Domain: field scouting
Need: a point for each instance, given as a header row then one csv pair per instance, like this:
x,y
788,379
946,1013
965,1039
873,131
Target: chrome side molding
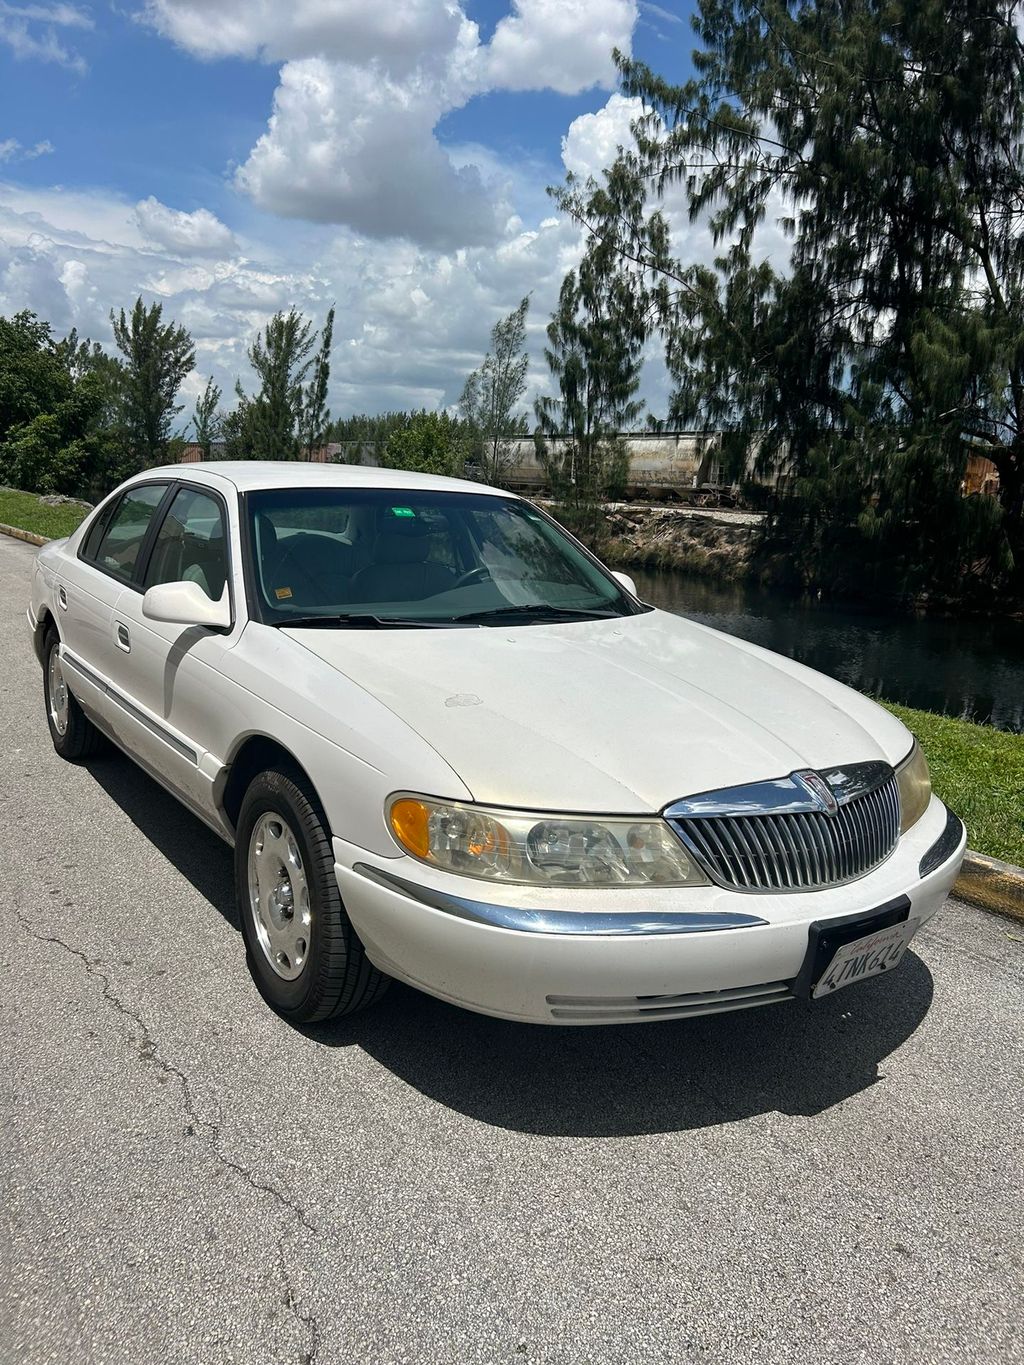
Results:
x,y
119,699
589,923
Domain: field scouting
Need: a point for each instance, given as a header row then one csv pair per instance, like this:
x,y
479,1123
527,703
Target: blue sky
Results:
x,y
236,157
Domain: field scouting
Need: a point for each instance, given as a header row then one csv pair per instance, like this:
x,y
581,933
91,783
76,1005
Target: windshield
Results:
x,y
379,556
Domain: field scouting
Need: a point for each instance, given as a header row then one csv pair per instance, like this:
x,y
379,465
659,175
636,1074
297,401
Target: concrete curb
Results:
x,y
983,881
991,884
19,534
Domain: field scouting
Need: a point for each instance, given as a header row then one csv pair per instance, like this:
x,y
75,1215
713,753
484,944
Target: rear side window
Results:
x,y
96,530
121,541
190,545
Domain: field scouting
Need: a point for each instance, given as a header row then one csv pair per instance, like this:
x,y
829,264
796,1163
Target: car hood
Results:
x,y
617,716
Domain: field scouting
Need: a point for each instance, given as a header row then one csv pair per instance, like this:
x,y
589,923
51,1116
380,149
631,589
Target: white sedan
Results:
x,y
449,746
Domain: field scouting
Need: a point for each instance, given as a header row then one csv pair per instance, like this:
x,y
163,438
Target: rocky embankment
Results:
x,y
716,543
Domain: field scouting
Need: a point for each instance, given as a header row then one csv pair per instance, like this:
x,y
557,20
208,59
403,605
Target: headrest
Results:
x,y
402,547
268,532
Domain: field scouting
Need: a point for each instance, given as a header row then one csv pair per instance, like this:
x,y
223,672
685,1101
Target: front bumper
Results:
x,y
582,956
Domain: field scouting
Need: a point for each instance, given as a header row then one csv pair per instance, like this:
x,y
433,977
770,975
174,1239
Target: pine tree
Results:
x,y
595,340
280,355
887,137
316,416
205,419
157,357
492,393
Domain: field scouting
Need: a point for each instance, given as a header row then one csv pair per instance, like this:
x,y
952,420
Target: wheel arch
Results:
x,y
256,753
44,621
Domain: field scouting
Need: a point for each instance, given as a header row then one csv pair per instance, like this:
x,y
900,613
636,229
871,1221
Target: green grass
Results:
x,y
979,773
25,511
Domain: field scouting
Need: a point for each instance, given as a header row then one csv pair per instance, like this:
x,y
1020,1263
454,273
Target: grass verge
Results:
x,y
25,511
979,773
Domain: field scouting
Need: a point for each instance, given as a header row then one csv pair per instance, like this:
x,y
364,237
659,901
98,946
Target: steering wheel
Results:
x,y
478,575
287,561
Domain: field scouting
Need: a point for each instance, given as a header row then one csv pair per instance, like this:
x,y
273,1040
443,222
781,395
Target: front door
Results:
x,y
88,592
172,674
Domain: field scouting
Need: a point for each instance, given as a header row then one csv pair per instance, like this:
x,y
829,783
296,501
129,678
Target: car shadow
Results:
x,y
794,1058
200,856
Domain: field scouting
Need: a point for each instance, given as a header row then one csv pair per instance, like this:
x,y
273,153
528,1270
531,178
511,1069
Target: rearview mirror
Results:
x,y
625,580
185,604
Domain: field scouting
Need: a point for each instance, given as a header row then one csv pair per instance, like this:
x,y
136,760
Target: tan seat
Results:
x,y
401,571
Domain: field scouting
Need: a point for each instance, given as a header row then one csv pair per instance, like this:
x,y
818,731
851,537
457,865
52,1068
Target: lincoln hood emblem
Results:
x,y
817,787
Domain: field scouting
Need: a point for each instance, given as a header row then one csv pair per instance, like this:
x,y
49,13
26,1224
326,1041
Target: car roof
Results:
x,y
247,475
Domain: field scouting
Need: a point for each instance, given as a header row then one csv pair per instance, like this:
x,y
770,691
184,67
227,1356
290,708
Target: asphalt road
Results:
x,y
184,1178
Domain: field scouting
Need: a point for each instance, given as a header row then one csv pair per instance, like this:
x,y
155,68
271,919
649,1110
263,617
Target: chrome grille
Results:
x,y
801,833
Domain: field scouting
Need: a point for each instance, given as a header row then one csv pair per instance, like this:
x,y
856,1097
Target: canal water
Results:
x,y
972,667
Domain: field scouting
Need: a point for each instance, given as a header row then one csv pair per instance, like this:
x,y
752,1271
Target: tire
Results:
x,y
303,953
74,736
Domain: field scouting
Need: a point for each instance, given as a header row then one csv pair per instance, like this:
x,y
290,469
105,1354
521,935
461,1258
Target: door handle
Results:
x,y
124,638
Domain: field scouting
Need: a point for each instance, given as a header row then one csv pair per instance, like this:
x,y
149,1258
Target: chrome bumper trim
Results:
x,y
944,846
612,923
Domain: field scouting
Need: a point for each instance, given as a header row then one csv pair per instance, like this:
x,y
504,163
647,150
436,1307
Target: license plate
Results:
x,y
864,957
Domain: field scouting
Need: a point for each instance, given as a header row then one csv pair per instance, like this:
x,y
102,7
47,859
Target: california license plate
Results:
x,y
863,957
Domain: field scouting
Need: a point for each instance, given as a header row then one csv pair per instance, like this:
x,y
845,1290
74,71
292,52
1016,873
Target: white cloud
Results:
x,y
199,233
418,280
12,150
562,45
346,144
411,322
592,141
591,144
396,33
350,139
64,16
647,7
30,31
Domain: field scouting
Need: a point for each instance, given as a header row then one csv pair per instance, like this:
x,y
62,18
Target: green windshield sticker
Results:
x,y
402,512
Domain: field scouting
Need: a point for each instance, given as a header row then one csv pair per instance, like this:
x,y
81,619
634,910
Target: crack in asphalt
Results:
x,y
149,1052
308,1320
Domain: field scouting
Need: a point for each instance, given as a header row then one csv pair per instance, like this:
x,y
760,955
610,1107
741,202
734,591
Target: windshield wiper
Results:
x,y
543,611
359,620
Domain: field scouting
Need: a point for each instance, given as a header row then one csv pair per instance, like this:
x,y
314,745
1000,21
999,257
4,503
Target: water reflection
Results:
x,y
972,667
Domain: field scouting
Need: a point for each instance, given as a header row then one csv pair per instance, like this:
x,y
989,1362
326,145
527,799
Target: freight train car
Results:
x,y
676,466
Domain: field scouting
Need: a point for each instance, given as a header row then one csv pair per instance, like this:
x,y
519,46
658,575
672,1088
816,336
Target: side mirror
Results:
x,y
185,604
622,578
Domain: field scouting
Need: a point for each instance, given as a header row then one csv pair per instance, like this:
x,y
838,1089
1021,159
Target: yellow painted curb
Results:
x,y
992,885
19,534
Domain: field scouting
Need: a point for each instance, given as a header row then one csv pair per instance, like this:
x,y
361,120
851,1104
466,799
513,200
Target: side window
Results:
x,y
126,529
190,545
96,530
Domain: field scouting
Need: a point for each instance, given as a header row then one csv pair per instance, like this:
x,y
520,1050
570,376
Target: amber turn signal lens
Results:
x,y
409,821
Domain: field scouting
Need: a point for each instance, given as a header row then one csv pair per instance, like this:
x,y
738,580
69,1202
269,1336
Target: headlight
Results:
x,y
915,786
540,850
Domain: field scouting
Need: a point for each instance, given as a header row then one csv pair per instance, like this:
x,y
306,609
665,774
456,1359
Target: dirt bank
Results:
x,y
718,544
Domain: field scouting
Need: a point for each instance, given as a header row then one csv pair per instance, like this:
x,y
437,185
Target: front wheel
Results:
x,y
303,952
73,733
